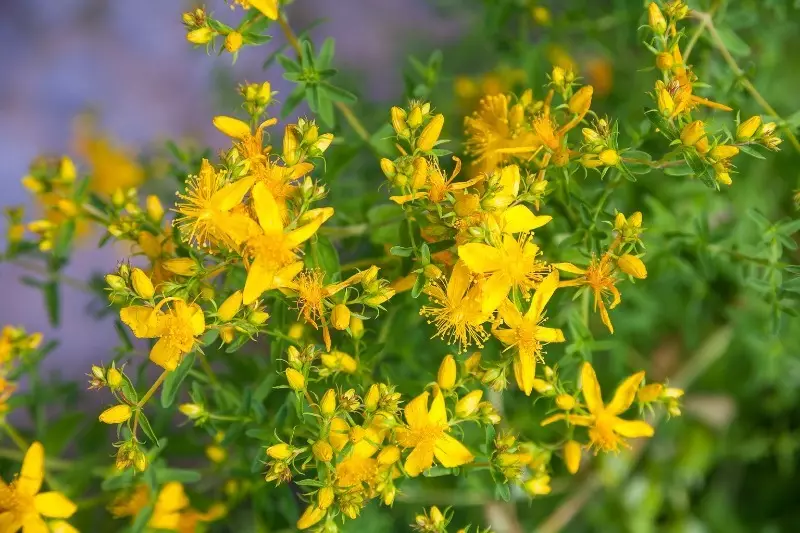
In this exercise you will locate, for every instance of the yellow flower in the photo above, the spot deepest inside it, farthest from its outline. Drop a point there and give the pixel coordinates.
(339, 361)
(206, 209)
(273, 250)
(21, 503)
(175, 328)
(512, 263)
(269, 8)
(495, 134)
(599, 277)
(233, 41)
(171, 510)
(525, 333)
(607, 431)
(427, 434)
(459, 315)
(112, 167)
(748, 128)
(437, 186)
(468, 404)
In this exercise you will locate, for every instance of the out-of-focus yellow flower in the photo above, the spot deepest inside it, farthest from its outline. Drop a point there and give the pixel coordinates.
(23, 505)
(111, 166)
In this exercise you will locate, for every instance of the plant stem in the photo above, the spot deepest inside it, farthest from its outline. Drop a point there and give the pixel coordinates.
(18, 439)
(707, 19)
(146, 398)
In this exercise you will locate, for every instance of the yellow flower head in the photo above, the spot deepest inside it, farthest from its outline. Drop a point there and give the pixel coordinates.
(176, 328)
(458, 314)
(273, 250)
(206, 209)
(427, 433)
(607, 431)
(600, 278)
(22, 505)
(496, 133)
(526, 334)
(512, 263)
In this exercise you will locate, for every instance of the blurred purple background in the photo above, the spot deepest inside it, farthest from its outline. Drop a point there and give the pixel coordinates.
(129, 63)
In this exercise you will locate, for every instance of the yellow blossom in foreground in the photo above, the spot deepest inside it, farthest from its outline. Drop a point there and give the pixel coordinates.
(21, 503)
(607, 431)
(206, 209)
(512, 263)
(175, 328)
(269, 8)
(427, 434)
(525, 333)
(459, 316)
(273, 250)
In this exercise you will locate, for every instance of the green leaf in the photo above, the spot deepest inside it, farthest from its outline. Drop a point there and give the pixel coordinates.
(307, 55)
(735, 44)
(142, 518)
(425, 254)
(419, 286)
(174, 379)
(147, 428)
(750, 151)
(287, 64)
(293, 100)
(337, 93)
(325, 57)
(52, 302)
(401, 251)
(181, 475)
(637, 162)
(660, 122)
(700, 168)
(322, 254)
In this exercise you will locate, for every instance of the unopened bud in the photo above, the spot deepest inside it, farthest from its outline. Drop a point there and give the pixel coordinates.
(116, 415)
(430, 134)
(446, 378)
(327, 405)
(572, 456)
(748, 128)
(142, 284)
(468, 404)
(322, 451)
(230, 306)
(296, 380)
(114, 378)
(632, 265)
(340, 317)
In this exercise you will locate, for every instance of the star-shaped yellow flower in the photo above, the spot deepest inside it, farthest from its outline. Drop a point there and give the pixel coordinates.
(22, 505)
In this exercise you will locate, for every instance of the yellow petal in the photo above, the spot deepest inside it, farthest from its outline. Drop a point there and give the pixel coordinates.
(269, 216)
(407, 198)
(509, 181)
(633, 428)
(591, 389)
(625, 393)
(524, 371)
(555, 418)
(604, 316)
(60, 526)
(480, 258)
(459, 282)
(141, 320)
(269, 8)
(419, 460)
(231, 195)
(569, 267)
(338, 434)
(33, 523)
(542, 295)
(284, 276)
(303, 233)
(549, 334)
(259, 279)
(197, 320)
(510, 314)
(30, 477)
(232, 127)
(9, 521)
(519, 218)
(495, 290)
(416, 411)
(165, 354)
(438, 413)
(171, 497)
(451, 453)
(54, 505)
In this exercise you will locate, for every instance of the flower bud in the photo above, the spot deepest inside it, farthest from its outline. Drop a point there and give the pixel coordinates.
(182, 266)
(388, 168)
(415, 117)
(372, 398)
(632, 265)
(154, 208)
(233, 41)
(468, 404)
(768, 129)
(340, 317)
(565, 402)
(325, 497)
(115, 282)
(748, 128)
(310, 516)
(543, 387)
(572, 456)
(666, 105)
(609, 157)
(327, 404)
(230, 306)
(693, 132)
(388, 495)
(140, 460)
(114, 378)
(724, 151)
(664, 61)
(398, 117)
(437, 519)
(216, 453)
(116, 415)
(296, 380)
(280, 451)
(258, 317)
(650, 393)
(473, 362)
(581, 101)
(322, 451)
(192, 410)
(430, 133)
(142, 284)
(590, 161)
(356, 327)
(446, 378)
(655, 19)
(200, 35)
(389, 455)
(232, 127)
